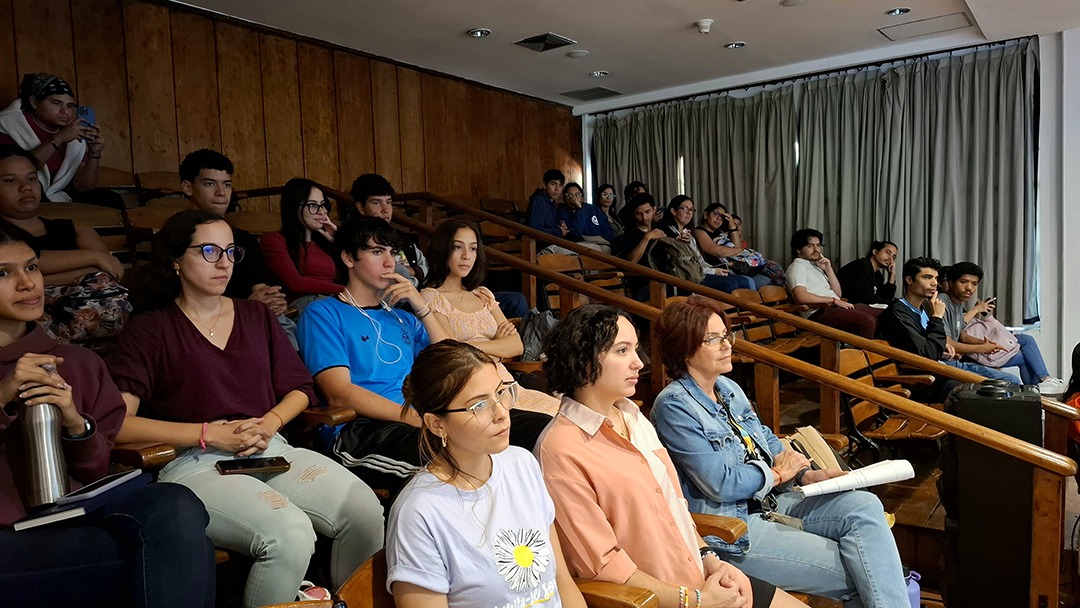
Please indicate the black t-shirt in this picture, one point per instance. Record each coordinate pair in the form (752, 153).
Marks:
(59, 236)
(627, 241)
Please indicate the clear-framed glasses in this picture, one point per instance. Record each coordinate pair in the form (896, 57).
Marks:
(484, 411)
(212, 253)
(610, 195)
(314, 207)
(574, 195)
(714, 340)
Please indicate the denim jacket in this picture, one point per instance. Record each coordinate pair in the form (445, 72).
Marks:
(709, 455)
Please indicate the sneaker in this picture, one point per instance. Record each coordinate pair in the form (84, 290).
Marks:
(309, 591)
(1052, 386)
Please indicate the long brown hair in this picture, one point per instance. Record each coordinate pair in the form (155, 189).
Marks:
(439, 373)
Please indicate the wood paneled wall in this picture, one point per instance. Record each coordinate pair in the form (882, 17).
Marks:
(166, 81)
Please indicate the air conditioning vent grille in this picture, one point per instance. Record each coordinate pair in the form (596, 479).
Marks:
(545, 42)
(591, 94)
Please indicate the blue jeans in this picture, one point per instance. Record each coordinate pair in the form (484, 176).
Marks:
(1029, 360)
(727, 284)
(982, 370)
(845, 550)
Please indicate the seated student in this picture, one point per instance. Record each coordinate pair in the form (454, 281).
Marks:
(302, 254)
(505, 552)
(374, 197)
(206, 179)
(127, 551)
(676, 224)
(843, 549)
(44, 121)
(586, 224)
(468, 311)
(619, 512)
(217, 378)
(871, 279)
(542, 213)
(360, 349)
(915, 321)
(962, 281)
(811, 280)
(634, 188)
(719, 237)
(606, 199)
(635, 239)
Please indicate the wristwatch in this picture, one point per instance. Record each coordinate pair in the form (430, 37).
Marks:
(799, 476)
(707, 550)
(87, 429)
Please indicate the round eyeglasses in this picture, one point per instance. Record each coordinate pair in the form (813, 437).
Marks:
(313, 208)
(212, 253)
(484, 411)
(715, 340)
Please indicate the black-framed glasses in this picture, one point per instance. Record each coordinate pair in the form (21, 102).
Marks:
(715, 340)
(313, 208)
(212, 253)
(484, 411)
(690, 209)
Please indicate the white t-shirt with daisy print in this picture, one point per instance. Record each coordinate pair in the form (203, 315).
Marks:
(485, 548)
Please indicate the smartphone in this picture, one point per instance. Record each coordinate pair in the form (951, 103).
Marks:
(252, 466)
(86, 115)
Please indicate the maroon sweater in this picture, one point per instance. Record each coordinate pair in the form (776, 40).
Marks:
(95, 397)
(179, 376)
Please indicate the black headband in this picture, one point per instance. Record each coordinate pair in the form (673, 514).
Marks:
(44, 85)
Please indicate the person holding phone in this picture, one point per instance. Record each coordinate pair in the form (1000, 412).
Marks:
(126, 551)
(44, 121)
(217, 378)
(506, 552)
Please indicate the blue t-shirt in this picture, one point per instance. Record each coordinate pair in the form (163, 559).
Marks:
(377, 345)
(486, 548)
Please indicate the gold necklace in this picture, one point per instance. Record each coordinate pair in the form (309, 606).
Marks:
(210, 329)
(625, 433)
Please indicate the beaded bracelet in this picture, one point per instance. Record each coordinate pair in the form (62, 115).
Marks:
(698, 592)
(682, 597)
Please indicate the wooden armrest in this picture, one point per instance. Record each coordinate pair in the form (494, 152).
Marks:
(792, 308)
(906, 378)
(303, 604)
(599, 594)
(527, 367)
(897, 390)
(729, 529)
(143, 455)
(330, 416)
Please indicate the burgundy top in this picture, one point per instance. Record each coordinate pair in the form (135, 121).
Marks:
(315, 274)
(45, 137)
(179, 376)
(95, 397)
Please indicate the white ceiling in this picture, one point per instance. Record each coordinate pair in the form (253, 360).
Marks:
(650, 47)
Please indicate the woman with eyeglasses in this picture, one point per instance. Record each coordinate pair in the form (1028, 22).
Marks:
(836, 545)
(469, 310)
(302, 254)
(619, 511)
(218, 379)
(605, 199)
(475, 526)
(676, 224)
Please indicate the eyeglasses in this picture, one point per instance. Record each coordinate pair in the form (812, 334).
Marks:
(690, 209)
(714, 340)
(716, 213)
(573, 195)
(314, 207)
(484, 411)
(212, 253)
(610, 195)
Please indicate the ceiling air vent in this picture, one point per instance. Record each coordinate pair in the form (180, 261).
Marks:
(591, 94)
(925, 27)
(545, 42)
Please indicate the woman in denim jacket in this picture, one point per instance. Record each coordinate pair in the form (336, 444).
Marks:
(730, 464)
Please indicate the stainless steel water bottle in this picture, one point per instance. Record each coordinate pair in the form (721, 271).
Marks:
(46, 479)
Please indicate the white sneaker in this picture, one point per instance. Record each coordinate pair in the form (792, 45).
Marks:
(1052, 386)
(310, 591)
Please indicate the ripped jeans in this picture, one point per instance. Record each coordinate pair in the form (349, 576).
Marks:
(273, 517)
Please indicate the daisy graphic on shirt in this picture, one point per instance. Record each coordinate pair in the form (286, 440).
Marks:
(522, 557)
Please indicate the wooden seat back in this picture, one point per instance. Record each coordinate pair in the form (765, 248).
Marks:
(109, 223)
(255, 222)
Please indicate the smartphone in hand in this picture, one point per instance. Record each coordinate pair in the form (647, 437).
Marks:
(87, 116)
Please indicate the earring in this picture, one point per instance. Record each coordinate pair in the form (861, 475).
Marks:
(444, 441)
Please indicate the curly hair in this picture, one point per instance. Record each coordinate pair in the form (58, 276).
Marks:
(441, 246)
(681, 330)
(439, 373)
(573, 347)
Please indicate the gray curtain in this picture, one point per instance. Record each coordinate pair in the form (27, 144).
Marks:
(936, 154)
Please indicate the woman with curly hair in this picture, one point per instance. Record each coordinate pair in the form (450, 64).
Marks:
(506, 551)
(619, 511)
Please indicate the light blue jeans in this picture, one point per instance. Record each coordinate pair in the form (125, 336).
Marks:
(845, 550)
(982, 370)
(1029, 360)
(273, 517)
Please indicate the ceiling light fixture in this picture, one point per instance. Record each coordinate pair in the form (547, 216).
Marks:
(577, 54)
(479, 32)
(896, 12)
(704, 25)
(599, 73)
(737, 44)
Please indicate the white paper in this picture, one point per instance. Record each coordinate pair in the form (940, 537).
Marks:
(886, 471)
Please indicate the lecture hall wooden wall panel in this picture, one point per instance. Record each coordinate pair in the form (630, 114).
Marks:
(166, 81)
